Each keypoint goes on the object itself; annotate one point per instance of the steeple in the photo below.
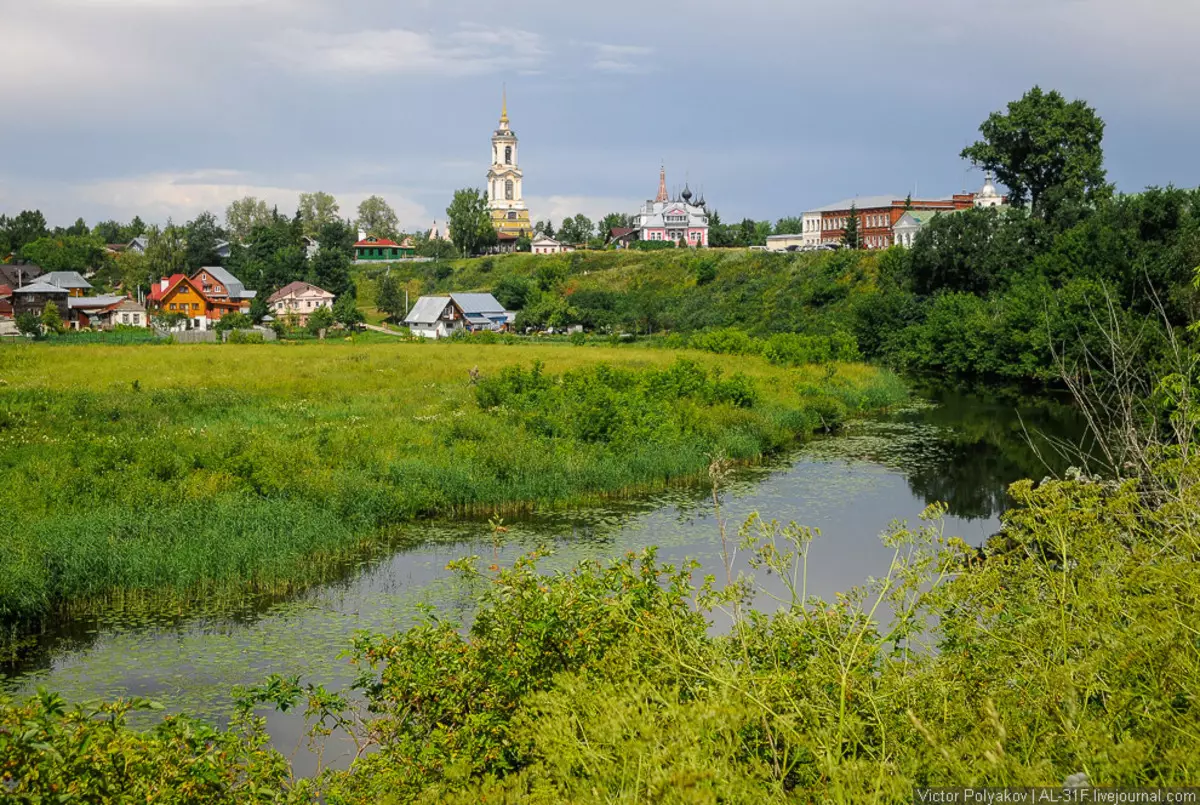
(662, 185)
(504, 107)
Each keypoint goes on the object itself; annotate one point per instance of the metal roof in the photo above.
(859, 203)
(93, 301)
(234, 285)
(66, 279)
(477, 303)
(40, 287)
(427, 310)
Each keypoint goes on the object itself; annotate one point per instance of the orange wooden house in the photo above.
(178, 294)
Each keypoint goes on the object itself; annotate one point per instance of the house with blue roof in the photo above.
(443, 316)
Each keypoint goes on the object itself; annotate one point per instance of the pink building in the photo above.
(675, 220)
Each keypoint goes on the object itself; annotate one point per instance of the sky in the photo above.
(166, 108)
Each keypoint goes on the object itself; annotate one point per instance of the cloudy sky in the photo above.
(164, 108)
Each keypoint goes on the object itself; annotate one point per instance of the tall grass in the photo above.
(186, 468)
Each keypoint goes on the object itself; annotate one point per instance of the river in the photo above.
(960, 448)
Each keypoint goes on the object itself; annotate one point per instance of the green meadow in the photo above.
(132, 472)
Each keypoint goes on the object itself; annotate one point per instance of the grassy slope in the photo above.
(759, 291)
(130, 469)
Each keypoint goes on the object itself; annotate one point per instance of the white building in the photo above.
(299, 299)
(812, 229)
(548, 245)
(989, 196)
(785, 243)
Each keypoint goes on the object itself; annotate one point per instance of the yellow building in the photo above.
(506, 203)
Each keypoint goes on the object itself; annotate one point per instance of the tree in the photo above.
(338, 235)
(389, 297)
(437, 248)
(258, 308)
(243, 215)
(28, 324)
(614, 220)
(330, 269)
(513, 292)
(110, 232)
(135, 229)
(790, 225)
(543, 228)
(470, 224)
(201, 236)
(235, 321)
(1046, 151)
(851, 237)
(77, 229)
(316, 211)
(747, 232)
(576, 230)
(719, 234)
(52, 320)
(376, 217)
(27, 227)
(166, 252)
(66, 252)
(346, 312)
(320, 319)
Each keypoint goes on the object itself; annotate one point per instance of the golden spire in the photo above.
(504, 106)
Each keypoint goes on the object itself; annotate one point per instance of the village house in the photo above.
(442, 316)
(374, 250)
(72, 281)
(225, 292)
(32, 298)
(6, 308)
(675, 220)
(548, 245)
(14, 275)
(299, 299)
(106, 312)
(179, 295)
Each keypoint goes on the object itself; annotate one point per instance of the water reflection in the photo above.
(963, 449)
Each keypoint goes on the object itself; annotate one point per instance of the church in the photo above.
(677, 220)
(506, 204)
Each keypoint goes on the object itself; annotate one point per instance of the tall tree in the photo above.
(389, 297)
(166, 251)
(316, 210)
(109, 232)
(719, 234)
(243, 215)
(27, 227)
(339, 235)
(851, 236)
(202, 234)
(614, 220)
(77, 229)
(576, 230)
(330, 269)
(470, 224)
(790, 225)
(1046, 150)
(376, 217)
(65, 252)
(135, 229)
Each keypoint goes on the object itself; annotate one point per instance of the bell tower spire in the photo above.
(504, 104)
(662, 185)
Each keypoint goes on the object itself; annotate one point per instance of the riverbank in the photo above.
(198, 470)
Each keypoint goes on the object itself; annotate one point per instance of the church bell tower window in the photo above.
(508, 155)
(508, 190)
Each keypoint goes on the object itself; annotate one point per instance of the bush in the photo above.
(244, 337)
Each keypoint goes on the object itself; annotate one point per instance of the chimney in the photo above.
(362, 235)
(162, 284)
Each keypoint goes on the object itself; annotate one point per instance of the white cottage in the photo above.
(548, 245)
(442, 316)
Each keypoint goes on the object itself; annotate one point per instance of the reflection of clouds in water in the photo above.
(851, 487)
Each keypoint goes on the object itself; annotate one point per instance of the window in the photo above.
(508, 190)
(195, 305)
(172, 306)
(508, 155)
(512, 216)
(125, 318)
